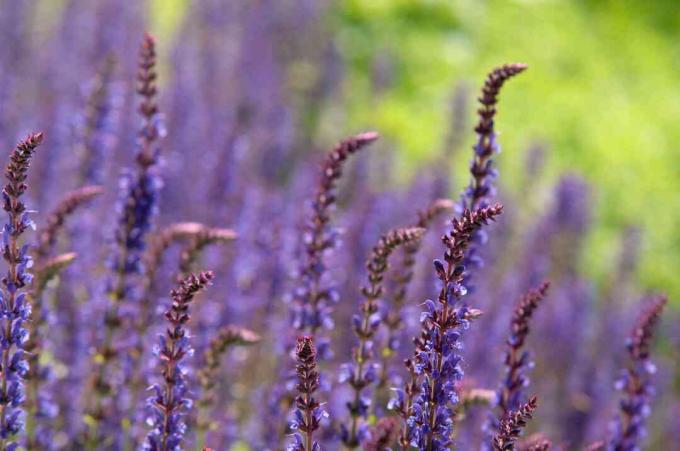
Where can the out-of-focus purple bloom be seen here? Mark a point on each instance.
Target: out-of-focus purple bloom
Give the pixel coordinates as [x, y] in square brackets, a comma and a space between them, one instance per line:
[137, 206]
[635, 382]
[363, 372]
[171, 399]
[312, 300]
[517, 360]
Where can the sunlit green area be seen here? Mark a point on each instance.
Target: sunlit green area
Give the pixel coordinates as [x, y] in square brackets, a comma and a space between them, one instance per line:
[603, 91]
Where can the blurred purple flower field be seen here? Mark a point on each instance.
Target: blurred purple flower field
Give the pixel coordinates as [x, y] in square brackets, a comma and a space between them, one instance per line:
[203, 275]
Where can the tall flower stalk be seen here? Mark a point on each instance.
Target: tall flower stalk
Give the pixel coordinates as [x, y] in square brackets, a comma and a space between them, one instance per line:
[636, 381]
[362, 372]
[517, 361]
[429, 420]
[308, 412]
[481, 189]
[312, 300]
[170, 399]
[313, 297]
[14, 306]
[100, 123]
[138, 206]
[159, 243]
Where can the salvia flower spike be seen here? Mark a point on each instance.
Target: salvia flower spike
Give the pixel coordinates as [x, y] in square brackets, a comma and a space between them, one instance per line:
[362, 372]
[636, 381]
[312, 302]
[137, 207]
[437, 363]
[308, 410]
[170, 399]
[517, 361]
[159, 243]
[15, 308]
[481, 190]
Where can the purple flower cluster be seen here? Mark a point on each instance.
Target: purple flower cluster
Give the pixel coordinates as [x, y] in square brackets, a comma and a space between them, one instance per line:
[249, 93]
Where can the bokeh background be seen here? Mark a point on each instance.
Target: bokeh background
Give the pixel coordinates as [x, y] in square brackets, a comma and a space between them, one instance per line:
[602, 94]
[251, 93]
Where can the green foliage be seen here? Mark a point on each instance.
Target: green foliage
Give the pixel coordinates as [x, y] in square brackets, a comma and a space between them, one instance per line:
[602, 89]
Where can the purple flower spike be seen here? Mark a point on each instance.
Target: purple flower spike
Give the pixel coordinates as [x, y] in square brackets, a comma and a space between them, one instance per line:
[170, 399]
[636, 381]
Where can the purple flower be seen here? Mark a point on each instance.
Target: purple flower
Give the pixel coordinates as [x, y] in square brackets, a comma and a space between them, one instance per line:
[170, 399]
[14, 306]
[636, 382]
[517, 361]
[308, 413]
[481, 189]
[437, 362]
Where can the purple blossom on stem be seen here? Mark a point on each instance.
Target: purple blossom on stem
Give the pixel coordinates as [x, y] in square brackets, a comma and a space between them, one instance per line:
[308, 413]
[517, 361]
[313, 297]
[170, 399]
[636, 381]
[312, 302]
[437, 362]
[138, 206]
[481, 189]
[159, 243]
[100, 124]
[362, 372]
[15, 308]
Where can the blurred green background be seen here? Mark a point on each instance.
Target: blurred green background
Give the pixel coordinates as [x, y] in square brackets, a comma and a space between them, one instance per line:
[603, 90]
